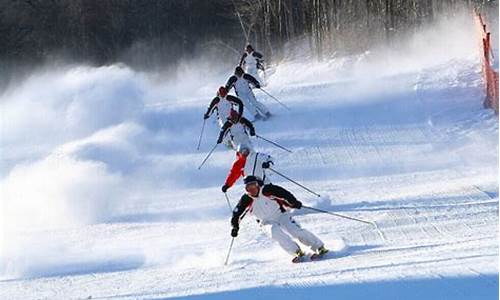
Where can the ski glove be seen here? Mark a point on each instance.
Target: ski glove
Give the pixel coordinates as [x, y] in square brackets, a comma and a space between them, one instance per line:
[257, 86]
[297, 205]
[206, 116]
[234, 232]
[252, 132]
[224, 188]
[267, 164]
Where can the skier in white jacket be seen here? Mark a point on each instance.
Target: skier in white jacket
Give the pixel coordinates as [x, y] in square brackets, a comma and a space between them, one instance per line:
[241, 82]
[235, 131]
[252, 62]
[223, 104]
[269, 203]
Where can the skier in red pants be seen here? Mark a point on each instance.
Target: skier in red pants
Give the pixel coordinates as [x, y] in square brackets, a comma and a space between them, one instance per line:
[248, 162]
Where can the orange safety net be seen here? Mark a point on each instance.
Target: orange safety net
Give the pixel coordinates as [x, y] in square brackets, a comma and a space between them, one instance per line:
[489, 74]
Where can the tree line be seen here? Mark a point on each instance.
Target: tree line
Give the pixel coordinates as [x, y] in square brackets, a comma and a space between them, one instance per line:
[148, 33]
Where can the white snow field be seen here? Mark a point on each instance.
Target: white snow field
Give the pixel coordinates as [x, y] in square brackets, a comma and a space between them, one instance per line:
[102, 199]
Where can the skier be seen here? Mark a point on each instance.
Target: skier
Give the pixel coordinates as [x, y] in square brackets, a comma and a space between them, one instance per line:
[236, 129]
[268, 203]
[252, 61]
[241, 82]
[248, 162]
[224, 104]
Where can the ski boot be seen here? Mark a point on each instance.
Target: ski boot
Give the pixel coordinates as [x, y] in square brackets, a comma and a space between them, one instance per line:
[299, 256]
[319, 253]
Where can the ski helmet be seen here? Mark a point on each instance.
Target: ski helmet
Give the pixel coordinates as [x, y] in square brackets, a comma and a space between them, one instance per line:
[238, 71]
[243, 149]
[251, 179]
[249, 48]
[222, 92]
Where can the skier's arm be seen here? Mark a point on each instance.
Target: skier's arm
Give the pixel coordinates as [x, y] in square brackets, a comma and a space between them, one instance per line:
[223, 131]
[237, 101]
[260, 60]
[252, 80]
[210, 108]
[236, 171]
[257, 55]
[240, 209]
[248, 124]
[242, 59]
[279, 192]
[230, 82]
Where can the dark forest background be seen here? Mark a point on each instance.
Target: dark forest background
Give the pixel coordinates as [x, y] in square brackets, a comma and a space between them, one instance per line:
[159, 33]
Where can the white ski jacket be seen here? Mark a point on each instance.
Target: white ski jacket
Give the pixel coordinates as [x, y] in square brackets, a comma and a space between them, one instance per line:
[267, 206]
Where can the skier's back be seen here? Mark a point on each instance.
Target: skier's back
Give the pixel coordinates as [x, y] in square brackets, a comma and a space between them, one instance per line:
[235, 129]
[241, 82]
[223, 104]
[252, 61]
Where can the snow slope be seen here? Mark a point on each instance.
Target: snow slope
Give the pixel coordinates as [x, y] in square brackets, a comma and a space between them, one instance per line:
[102, 198]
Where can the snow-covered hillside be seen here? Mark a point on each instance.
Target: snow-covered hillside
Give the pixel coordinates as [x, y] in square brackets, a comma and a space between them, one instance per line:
[102, 199]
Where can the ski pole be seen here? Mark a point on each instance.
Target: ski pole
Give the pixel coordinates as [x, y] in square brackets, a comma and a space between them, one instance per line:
[229, 251]
[293, 181]
[282, 104]
[228, 202]
[201, 134]
[208, 155]
[275, 144]
[339, 215]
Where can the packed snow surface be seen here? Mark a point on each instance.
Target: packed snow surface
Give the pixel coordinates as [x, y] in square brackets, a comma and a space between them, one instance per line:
[102, 198]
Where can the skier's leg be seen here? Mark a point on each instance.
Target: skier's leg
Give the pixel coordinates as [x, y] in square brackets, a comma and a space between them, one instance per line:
[249, 105]
[241, 139]
[304, 236]
[263, 110]
[283, 239]
[220, 121]
[252, 70]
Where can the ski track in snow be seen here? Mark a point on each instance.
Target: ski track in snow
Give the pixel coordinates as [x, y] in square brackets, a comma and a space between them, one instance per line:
[419, 159]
